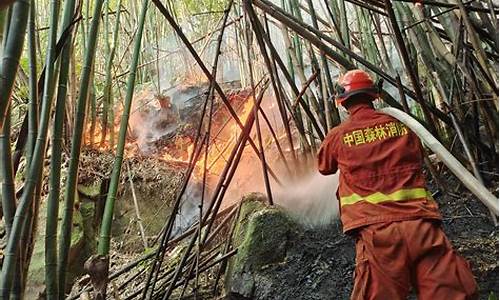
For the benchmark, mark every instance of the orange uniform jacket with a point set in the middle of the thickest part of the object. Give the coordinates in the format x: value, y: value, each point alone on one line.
x: 380, y: 162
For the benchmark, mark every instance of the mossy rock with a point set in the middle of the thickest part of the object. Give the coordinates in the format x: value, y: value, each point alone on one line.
x: 91, y: 191
x: 262, y: 237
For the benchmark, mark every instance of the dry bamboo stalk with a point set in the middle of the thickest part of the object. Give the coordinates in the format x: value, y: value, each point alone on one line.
x: 408, y: 66
x: 256, y: 107
x: 481, y: 57
x: 227, y: 246
x: 220, y: 189
x: 259, y: 36
x: 276, y: 141
x: 305, y: 86
x: 280, y: 99
x: 136, y: 208
x: 196, y: 263
x: 217, y: 87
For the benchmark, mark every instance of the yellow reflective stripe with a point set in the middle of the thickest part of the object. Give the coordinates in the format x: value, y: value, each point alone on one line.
x: 399, y: 195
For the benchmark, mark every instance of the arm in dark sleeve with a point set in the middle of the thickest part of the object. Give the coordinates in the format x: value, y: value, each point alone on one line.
x: 327, y: 156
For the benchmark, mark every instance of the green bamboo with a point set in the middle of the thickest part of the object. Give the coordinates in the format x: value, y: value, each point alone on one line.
x: 7, y: 174
x: 344, y: 26
x: 13, y: 48
x: 93, y: 110
x: 9, y: 196
x: 3, y: 21
x: 368, y: 40
x: 298, y: 59
x: 104, y: 117
x: 33, y: 87
x: 30, y: 225
x: 33, y: 112
x: 108, y: 92
x: 51, y: 274
x: 7, y: 177
x: 434, y: 39
x: 21, y: 220
x: 76, y: 143
x: 331, y: 115
x: 423, y: 45
x: 104, y: 238
x: 304, y: 144
x: 378, y: 28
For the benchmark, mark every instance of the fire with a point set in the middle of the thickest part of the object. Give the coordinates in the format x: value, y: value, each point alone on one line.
x: 185, y: 157
x: 179, y: 148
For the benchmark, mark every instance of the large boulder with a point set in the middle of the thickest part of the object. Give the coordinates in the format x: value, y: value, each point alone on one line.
x: 281, y: 258
x: 262, y: 236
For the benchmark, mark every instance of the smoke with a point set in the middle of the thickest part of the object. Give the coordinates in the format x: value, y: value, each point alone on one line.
x: 311, y: 199
x: 189, y: 210
x: 144, y: 126
x: 149, y: 123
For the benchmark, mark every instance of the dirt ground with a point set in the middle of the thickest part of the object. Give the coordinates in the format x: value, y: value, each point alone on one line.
x: 320, y: 263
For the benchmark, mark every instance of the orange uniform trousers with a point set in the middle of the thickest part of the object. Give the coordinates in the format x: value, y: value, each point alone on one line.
x: 392, y: 256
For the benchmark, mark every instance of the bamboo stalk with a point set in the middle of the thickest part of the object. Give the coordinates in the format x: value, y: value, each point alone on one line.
x: 261, y: 38
x: 136, y: 208
x: 193, y: 159
x: 12, y: 50
x: 7, y: 178
x: 51, y: 270
x: 108, y: 93
x: 21, y: 219
x: 408, y: 66
x: 276, y: 141
x: 281, y: 99
x: 256, y: 112
x: 219, y: 191
x: 104, y: 240
x: 305, y: 86
x: 76, y: 143
x: 219, y: 90
x: 227, y: 246
x: 33, y: 113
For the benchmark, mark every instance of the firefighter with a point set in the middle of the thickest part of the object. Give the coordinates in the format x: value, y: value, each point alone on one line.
x: 385, y: 205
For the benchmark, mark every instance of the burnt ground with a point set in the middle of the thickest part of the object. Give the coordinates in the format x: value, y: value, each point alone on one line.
x: 320, y: 263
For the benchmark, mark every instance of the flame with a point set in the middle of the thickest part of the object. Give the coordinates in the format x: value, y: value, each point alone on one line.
x: 224, y: 134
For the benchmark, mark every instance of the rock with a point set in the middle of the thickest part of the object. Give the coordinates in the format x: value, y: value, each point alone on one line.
x: 91, y: 191
x: 97, y: 266
x: 262, y: 236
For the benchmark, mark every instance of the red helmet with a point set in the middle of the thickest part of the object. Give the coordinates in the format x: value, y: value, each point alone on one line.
x: 355, y: 82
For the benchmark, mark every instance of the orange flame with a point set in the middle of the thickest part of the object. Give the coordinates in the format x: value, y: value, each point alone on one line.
x: 222, y: 141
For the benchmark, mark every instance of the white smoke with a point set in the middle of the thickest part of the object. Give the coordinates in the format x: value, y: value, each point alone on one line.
x: 311, y: 200
x: 189, y: 211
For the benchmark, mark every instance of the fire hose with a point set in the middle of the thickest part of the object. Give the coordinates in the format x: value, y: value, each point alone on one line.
x: 470, y: 182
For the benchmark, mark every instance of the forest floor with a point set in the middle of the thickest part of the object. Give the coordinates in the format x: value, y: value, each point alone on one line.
x: 320, y: 263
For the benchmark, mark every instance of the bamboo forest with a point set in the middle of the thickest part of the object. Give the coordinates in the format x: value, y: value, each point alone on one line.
x: 169, y: 149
